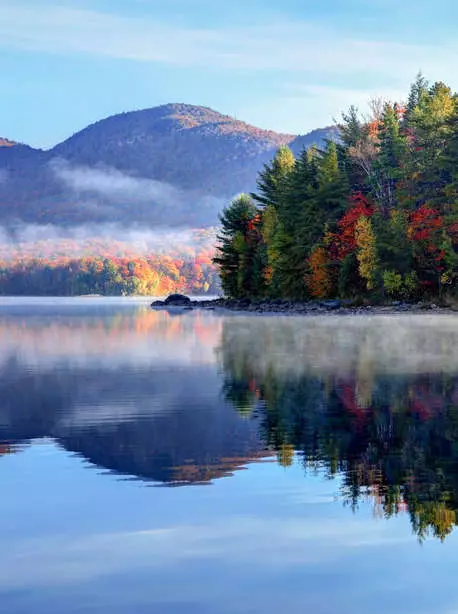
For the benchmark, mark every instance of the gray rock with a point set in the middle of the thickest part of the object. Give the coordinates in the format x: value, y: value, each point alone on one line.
x: 331, y: 304
x: 177, y: 300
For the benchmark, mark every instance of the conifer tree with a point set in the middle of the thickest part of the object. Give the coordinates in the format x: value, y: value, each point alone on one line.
x: 418, y: 91
x: 273, y: 179
x: 390, y: 151
x: 379, y: 206
x: 233, y: 250
x: 274, y: 195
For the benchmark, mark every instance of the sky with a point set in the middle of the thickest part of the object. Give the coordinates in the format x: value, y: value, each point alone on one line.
x: 289, y: 65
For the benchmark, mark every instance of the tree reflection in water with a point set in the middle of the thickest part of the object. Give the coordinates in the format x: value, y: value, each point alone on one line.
x: 373, y: 400
x: 386, y: 425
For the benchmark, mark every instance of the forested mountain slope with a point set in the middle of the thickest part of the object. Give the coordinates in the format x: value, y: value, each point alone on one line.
x: 173, y: 165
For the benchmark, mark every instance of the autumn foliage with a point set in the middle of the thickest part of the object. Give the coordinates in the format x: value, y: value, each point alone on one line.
x: 319, y: 280
x: 145, y: 276
x: 373, y: 217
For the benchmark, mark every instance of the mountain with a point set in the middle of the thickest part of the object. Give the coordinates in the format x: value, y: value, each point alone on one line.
x: 6, y: 142
x: 175, y: 164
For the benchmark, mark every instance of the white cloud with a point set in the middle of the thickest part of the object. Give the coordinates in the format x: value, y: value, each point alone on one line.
x: 57, y: 561
x: 296, y: 47
x: 113, y: 185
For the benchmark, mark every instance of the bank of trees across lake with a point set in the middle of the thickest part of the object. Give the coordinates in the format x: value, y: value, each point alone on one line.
x: 109, y: 276
x: 372, y: 216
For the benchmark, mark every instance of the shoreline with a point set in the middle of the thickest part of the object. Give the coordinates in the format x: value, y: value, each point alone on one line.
x: 306, y: 308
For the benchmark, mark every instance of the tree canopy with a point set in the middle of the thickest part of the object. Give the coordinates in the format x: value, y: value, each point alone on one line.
x: 373, y: 215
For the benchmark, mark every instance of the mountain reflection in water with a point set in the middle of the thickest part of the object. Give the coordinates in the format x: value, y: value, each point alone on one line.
x: 188, y: 399
x: 137, y: 394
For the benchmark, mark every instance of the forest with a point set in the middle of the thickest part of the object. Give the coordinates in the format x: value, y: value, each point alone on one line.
x: 117, y: 264
x: 371, y: 217
x: 108, y: 276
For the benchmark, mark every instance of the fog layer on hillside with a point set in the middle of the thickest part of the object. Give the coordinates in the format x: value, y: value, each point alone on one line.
x: 50, y: 241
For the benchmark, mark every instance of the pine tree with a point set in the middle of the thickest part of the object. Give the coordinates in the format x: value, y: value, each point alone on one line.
x: 274, y: 197
x: 273, y: 179
x: 397, y: 170
x: 390, y: 152
x: 429, y: 132
x: 418, y: 91
x: 448, y: 165
x: 233, y: 250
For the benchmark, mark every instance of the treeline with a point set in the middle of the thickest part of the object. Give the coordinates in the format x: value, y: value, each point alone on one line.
x: 372, y: 216
x: 110, y: 276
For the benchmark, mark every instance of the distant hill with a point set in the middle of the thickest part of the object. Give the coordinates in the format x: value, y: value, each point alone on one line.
x: 173, y: 165
x: 6, y: 142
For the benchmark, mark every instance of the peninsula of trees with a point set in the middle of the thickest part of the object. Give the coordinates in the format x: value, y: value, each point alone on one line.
x: 372, y: 216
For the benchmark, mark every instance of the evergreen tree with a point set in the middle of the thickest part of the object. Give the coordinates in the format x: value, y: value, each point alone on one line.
x: 233, y: 251
x: 418, y: 91
x: 287, y: 245
x: 430, y: 130
x: 273, y: 179
x: 448, y: 164
x: 274, y: 197
x: 387, y: 167
x: 379, y: 205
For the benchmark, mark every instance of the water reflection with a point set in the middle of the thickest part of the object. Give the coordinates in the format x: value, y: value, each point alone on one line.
x: 186, y: 400
x: 136, y: 393
x: 375, y: 400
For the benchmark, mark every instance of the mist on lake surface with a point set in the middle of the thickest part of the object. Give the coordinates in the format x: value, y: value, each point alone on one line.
x: 318, y: 450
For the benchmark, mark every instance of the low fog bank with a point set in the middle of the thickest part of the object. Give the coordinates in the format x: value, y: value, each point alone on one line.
x: 114, y: 193
x: 51, y: 241
x: 126, y: 215
x: 264, y: 346
x: 50, y: 337
x: 343, y: 345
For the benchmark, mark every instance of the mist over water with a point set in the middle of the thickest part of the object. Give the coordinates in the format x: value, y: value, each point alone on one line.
x: 319, y: 450
x: 397, y: 344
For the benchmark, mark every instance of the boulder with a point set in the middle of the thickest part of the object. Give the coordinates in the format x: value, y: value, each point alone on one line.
x: 331, y: 304
x: 177, y: 300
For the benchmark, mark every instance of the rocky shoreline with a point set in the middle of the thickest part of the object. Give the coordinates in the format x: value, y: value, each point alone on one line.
x: 278, y: 306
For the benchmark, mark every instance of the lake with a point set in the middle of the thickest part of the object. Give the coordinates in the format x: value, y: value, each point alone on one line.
x: 223, y: 464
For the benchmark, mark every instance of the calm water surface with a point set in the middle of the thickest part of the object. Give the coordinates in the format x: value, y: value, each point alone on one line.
x: 199, y: 463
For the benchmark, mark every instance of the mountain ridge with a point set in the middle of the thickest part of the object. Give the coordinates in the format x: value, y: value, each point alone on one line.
x: 175, y: 164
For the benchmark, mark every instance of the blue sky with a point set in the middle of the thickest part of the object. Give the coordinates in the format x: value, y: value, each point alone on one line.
x: 290, y: 66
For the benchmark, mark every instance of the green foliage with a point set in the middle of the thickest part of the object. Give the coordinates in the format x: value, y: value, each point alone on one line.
x: 392, y: 283
x: 273, y: 179
x: 238, y: 256
x: 350, y: 282
x: 387, y: 171
x: 375, y: 213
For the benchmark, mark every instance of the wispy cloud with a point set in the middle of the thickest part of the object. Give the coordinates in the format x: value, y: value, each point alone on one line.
x: 287, y: 46
x: 309, y: 543
x: 114, y: 186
